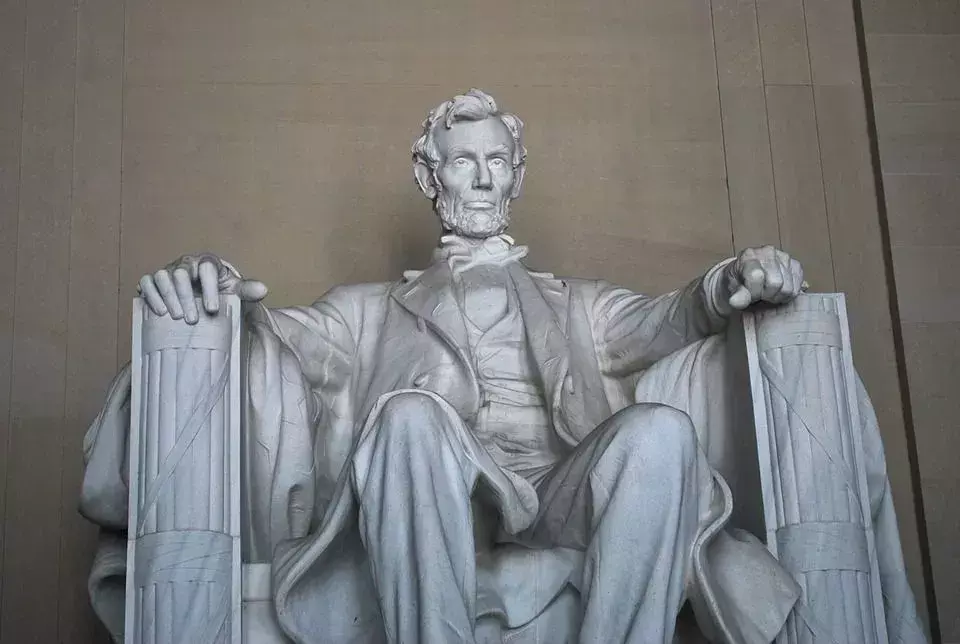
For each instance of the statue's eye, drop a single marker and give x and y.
(461, 162)
(498, 163)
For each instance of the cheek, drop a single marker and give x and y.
(505, 183)
(453, 185)
(453, 179)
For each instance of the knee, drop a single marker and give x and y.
(408, 405)
(657, 433)
(410, 418)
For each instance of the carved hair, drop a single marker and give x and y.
(475, 105)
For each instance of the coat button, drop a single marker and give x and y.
(568, 384)
(420, 381)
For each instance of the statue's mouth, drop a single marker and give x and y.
(479, 205)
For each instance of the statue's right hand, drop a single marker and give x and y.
(173, 288)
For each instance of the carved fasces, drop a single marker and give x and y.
(810, 450)
(183, 559)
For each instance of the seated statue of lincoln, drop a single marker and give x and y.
(460, 456)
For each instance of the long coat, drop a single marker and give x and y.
(325, 368)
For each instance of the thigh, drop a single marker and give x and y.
(644, 435)
(406, 422)
(564, 494)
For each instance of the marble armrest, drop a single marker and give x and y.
(183, 555)
(809, 446)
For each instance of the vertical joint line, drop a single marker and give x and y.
(766, 112)
(66, 347)
(123, 127)
(897, 328)
(13, 319)
(723, 138)
(816, 125)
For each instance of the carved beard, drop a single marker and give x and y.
(468, 223)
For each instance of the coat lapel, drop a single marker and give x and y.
(559, 336)
(545, 308)
(430, 297)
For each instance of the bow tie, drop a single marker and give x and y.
(462, 254)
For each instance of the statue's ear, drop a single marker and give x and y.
(424, 176)
(518, 174)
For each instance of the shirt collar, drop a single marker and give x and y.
(463, 253)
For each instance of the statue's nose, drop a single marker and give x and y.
(482, 178)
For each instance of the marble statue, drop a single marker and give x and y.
(475, 453)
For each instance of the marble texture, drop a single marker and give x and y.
(183, 555)
(812, 470)
(483, 453)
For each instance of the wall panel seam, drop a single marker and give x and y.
(13, 311)
(766, 111)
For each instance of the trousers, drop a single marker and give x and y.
(628, 496)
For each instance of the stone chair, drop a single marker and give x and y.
(779, 411)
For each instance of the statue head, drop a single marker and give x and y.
(470, 163)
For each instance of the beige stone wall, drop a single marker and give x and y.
(913, 51)
(663, 134)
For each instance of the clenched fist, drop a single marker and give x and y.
(764, 274)
(172, 289)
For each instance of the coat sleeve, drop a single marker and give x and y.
(299, 366)
(633, 331)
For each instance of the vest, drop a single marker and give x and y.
(513, 423)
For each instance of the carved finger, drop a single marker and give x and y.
(209, 286)
(251, 290)
(150, 294)
(181, 281)
(796, 269)
(772, 280)
(753, 277)
(165, 285)
(741, 299)
(788, 289)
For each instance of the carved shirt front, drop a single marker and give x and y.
(513, 423)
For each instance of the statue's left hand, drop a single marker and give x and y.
(764, 274)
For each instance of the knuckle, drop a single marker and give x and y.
(208, 259)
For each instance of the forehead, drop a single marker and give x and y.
(480, 136)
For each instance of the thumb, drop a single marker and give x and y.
(741, 299)
(251, 290)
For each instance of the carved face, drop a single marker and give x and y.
(477, 177)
